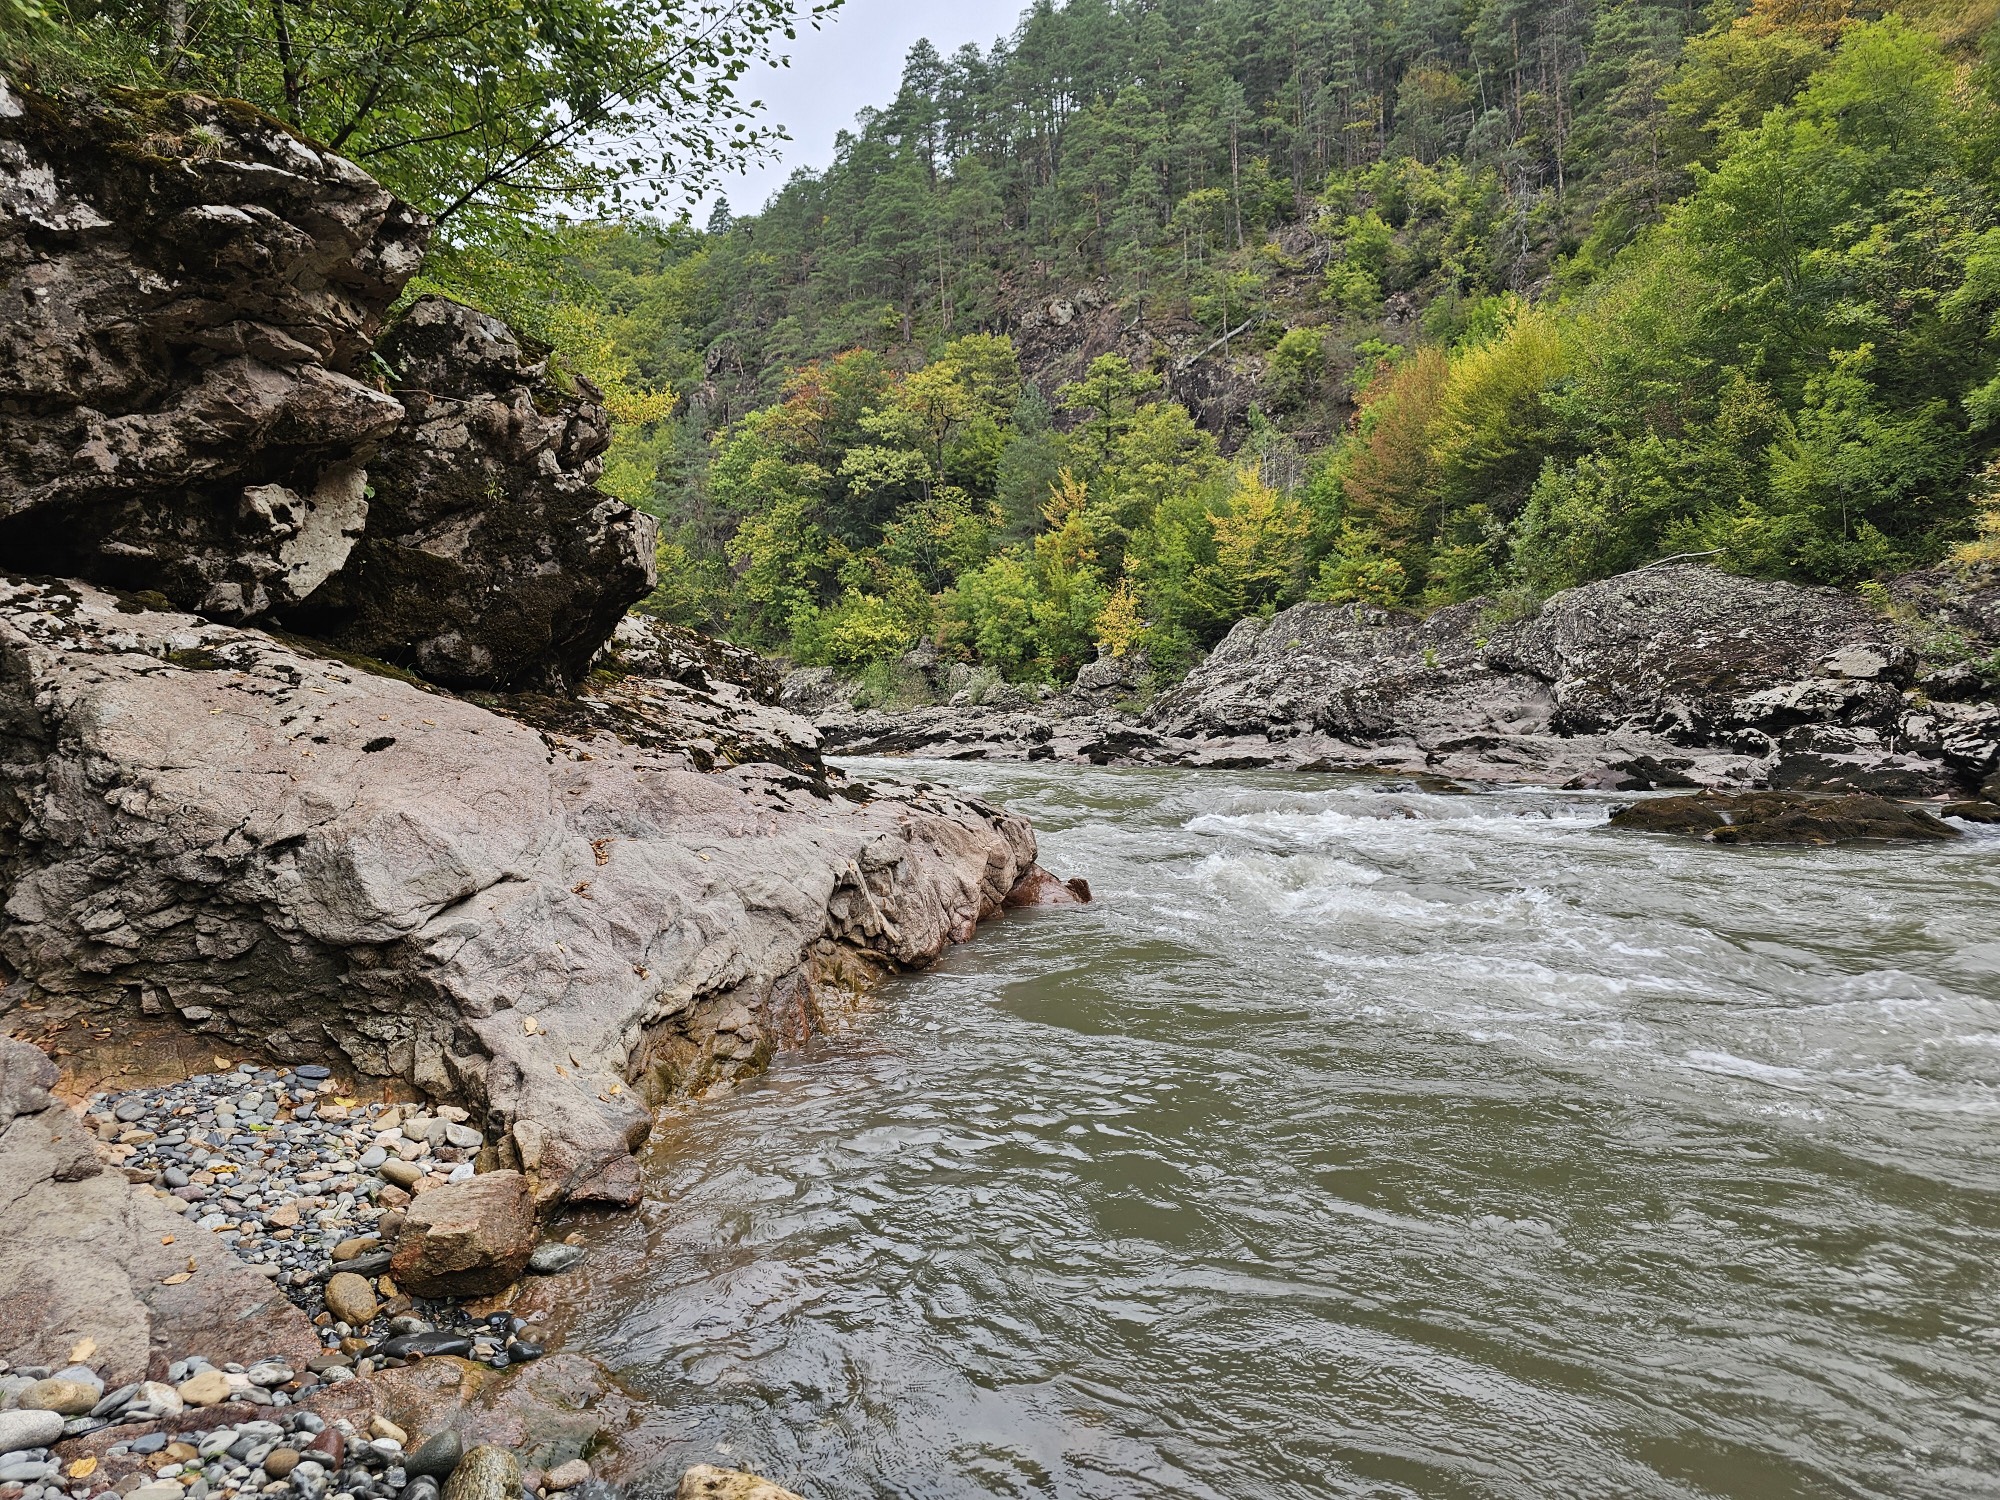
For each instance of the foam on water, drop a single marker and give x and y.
(1358, 1141)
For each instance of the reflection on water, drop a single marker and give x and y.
(1359, 1141)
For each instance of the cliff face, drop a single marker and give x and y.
(554, 907)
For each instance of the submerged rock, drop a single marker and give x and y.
(485, 1473)
(1782, 818)
(706, 1482)
(304, 853)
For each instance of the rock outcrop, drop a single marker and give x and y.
(90, 1260)
(194, 293)
(1675, 676)
(197, 401)
(1669, 677)
(490, 558)
(309, 858)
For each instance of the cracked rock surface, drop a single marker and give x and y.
(192, 294)
(300, 855)
(490, 559)
(107, 1265)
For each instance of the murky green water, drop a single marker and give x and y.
(1359, 1142)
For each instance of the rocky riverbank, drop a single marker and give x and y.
(325, 744)
(1674, 677)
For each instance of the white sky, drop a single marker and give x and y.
(855, 62)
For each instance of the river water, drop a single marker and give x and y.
(1357, 1142)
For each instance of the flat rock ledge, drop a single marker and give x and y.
(308, 856)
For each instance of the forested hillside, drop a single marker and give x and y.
(1161, 313)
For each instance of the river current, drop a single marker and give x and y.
(1358, 1141)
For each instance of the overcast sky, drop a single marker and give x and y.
(855, 62)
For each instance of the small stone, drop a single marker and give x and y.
(424, 1346)
(351, 1299)
(151, 1443)
(284, 1216)
(462, 1136)
(208, 1388)
(485, 1473)
(568, 1476)
(21, 1430)
(372, 1158)
(521, 1351)
(271, 1374)
(280, 1462)
(402, 1174)
(435, 1457)
(167, 1490)
(129, 1111)
(554, 1257)
(354, 1249)
(73, 1398)
(117, 1400)
(160, 1399)
(313, 1072)
(382, 1427)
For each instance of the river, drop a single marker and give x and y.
(1358, 1141)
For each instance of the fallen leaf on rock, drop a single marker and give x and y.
(177, 1278)
(530, 1025)
(165, 1239)
(84, 1349)
(223, 1062)
(83, 1468)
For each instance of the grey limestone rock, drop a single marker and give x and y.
(184, 391)
(490, 559)
(297, 854)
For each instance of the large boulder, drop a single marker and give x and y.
(87, 1258)
(185, 397)
(307, 857)
(467, 1239)
(491, 558)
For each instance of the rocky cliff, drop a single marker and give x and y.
(249, 540)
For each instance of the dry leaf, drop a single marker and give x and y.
(530, 1025)
(223, 1062)
(84, 1349)
(83, 1468)
(165, 1239)
(193, 1265)
(177, 1278)
(345, 1103)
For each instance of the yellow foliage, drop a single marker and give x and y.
(1491, 398)
(1119, 624)
(1259, 536)
(1985, 549)
(583, 346)
(1821, 20)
